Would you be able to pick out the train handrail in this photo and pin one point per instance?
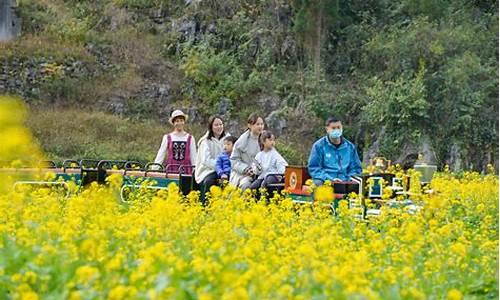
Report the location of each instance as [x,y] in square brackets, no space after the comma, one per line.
[359,181]
[129,166]
[51,164]
[182,169]
[84,166]
[179,169]
[105,162]
[148,169]
[67,164]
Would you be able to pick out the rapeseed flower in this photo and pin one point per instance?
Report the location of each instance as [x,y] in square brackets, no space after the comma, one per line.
[162,245]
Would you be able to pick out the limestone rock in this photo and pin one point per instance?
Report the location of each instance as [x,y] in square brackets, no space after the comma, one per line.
[454,160]
[374,149]
[276,122]
[223,107]
[412,150]
[269,103]
[10,22]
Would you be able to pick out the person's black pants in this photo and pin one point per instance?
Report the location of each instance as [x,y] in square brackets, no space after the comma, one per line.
[264,182]
[208,181]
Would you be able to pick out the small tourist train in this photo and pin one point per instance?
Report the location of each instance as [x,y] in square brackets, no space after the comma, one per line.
[249,162]
[367,192]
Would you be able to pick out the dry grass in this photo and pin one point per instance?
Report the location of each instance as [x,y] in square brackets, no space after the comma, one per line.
[65,134]
[74,134]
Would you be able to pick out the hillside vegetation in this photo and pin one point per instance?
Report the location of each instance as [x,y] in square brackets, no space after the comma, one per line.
[407,77]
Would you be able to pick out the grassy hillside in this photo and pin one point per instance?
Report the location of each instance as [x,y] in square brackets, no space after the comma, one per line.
[406,76]
[75,134]
[72,134]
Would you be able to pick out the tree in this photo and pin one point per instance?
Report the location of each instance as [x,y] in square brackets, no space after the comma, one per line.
[312,19]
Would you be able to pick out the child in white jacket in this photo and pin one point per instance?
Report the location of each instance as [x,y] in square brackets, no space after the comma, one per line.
[268,161]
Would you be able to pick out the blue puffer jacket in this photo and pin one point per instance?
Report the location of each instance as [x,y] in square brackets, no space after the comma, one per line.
[328,162]
[223,164]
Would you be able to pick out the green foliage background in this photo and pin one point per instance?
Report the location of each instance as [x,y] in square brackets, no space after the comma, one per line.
[416,68]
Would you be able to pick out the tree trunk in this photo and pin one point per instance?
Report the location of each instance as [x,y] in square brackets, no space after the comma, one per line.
[317,47]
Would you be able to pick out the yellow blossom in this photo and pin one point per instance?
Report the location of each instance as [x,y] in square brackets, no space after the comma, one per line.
[454,294]
[29,296]
[165,245]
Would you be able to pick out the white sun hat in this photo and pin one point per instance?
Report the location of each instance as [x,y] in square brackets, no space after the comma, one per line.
[175,114]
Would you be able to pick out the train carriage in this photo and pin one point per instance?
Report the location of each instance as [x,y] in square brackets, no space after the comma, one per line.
[379,186]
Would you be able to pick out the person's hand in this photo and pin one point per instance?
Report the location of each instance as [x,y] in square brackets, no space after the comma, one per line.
[249,172]
[256,168]
[224,177]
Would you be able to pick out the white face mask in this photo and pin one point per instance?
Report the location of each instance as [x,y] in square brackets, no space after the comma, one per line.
[335,133]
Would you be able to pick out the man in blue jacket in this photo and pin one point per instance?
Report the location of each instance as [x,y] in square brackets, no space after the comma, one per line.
[333,157]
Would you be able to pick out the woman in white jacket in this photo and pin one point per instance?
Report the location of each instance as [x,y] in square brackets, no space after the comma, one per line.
[209,147]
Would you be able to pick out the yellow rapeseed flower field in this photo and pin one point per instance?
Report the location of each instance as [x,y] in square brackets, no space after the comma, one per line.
[92,246]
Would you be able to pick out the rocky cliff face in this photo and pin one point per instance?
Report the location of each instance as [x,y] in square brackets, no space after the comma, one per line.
[143,59]
[10,23]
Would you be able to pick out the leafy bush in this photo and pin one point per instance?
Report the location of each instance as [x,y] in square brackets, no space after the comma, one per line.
[361,62]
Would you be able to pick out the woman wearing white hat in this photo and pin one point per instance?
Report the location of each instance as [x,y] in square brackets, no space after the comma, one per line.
[178,148]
